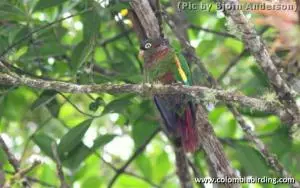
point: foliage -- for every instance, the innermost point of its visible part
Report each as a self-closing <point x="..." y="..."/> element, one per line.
<point x="96" y="134"/>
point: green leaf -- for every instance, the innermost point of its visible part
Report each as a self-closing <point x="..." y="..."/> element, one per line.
<point x="93" y="181"/>
<point x="11" y="12"/>
<point x="44" y="98"/>
<point x="15" y="104"/>
<point x="44" y="142"/>
<point x="118" y="105"/>
<point x="145" y="166"/>
<point x="162" y="166"/>
<point x="119" y="6"/>
<point x="76" y="156"/>
<point x="142" y="130"/>
<point x="102" y="140"/>
<point x="262" y="77"/>
<point x="206" y="47"/>
<point x="53" y="107"/>
<point x="91" y="24"/>
<point x="81" y="53"/>
<point x="252" y="162"/>
<point x="3" y="157"/>
<point x="47" y="50"/>
<point x="280" y="143"/>
<point x="73" y="138"/>
<point x="47" y="173"/>
<point x="43" y="4"/>
<point x="234" y="44"/>
<point x="132" y="182"/>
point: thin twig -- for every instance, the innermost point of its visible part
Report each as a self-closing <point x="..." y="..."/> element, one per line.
<point x="115" y="169"/>
<point x="35" y="180"/>
<point x="114" y="38"/>
<point x="231" y="64"/>
<point x="76" y="108"/>
<point x="142" y="178"/>
<point x="138" y="151"/>
<point x="11" y="158"/>
<point x="60" y="173"/>
<point x="220" y="33"/>
<point x="21" y="174"/>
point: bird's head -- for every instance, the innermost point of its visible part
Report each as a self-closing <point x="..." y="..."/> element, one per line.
<point x="153" y="45"/>
<point x="153" y="49"/>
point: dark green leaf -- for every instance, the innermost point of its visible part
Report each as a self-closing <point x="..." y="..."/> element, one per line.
<point x="44" y="142"/>
<point x="102" y="140"/>
<point x="262" y="77"/>
<point x="43" y="4"/>
<point x="47" y="50"/>
<point x="119" y="6"/>
<point x="280" y="143"/>
<point x="44" y="98"/>
<point x="11" y="12"/>
<point x="118" y="105"/>
<point x="252" y="162"/>
<point x="76" y="156"/>
<point x="142" y="130"/>
<point x="91" y="24"/>
<point x="73" y="138"/>
<point x="53" y="107"/>
<point x="3" y="157"/>
<point x="81" y="53"/>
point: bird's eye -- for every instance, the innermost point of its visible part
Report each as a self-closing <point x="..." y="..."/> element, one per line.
<point x="148" y="45"/>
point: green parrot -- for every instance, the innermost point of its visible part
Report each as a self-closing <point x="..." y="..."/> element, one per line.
<point x="164" y="65"/>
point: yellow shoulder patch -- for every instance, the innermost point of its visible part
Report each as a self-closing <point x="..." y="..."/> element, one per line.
<point x="180" y="70"/>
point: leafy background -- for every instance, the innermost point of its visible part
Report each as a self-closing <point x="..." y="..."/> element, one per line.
<point x="98" y="133"/>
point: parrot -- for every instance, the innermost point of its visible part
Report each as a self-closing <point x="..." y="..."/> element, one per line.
<point x="162" y="64"/>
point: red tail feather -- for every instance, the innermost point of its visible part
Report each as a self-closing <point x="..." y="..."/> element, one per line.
<point x="189" y="136"/>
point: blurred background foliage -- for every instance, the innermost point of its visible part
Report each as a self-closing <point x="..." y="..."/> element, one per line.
<point x="91" y="42"/>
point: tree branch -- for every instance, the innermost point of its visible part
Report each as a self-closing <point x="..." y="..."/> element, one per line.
<point x="146" y="17"/>
<point x="213" y="148"/>
<point x="270" y="158"/>
<point x="182" y="169"/>
<point x="198" y="92"/>
<point x="258" y="49"/>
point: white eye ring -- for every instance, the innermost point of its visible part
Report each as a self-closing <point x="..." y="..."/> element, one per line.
<point x="148" y="45"/>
